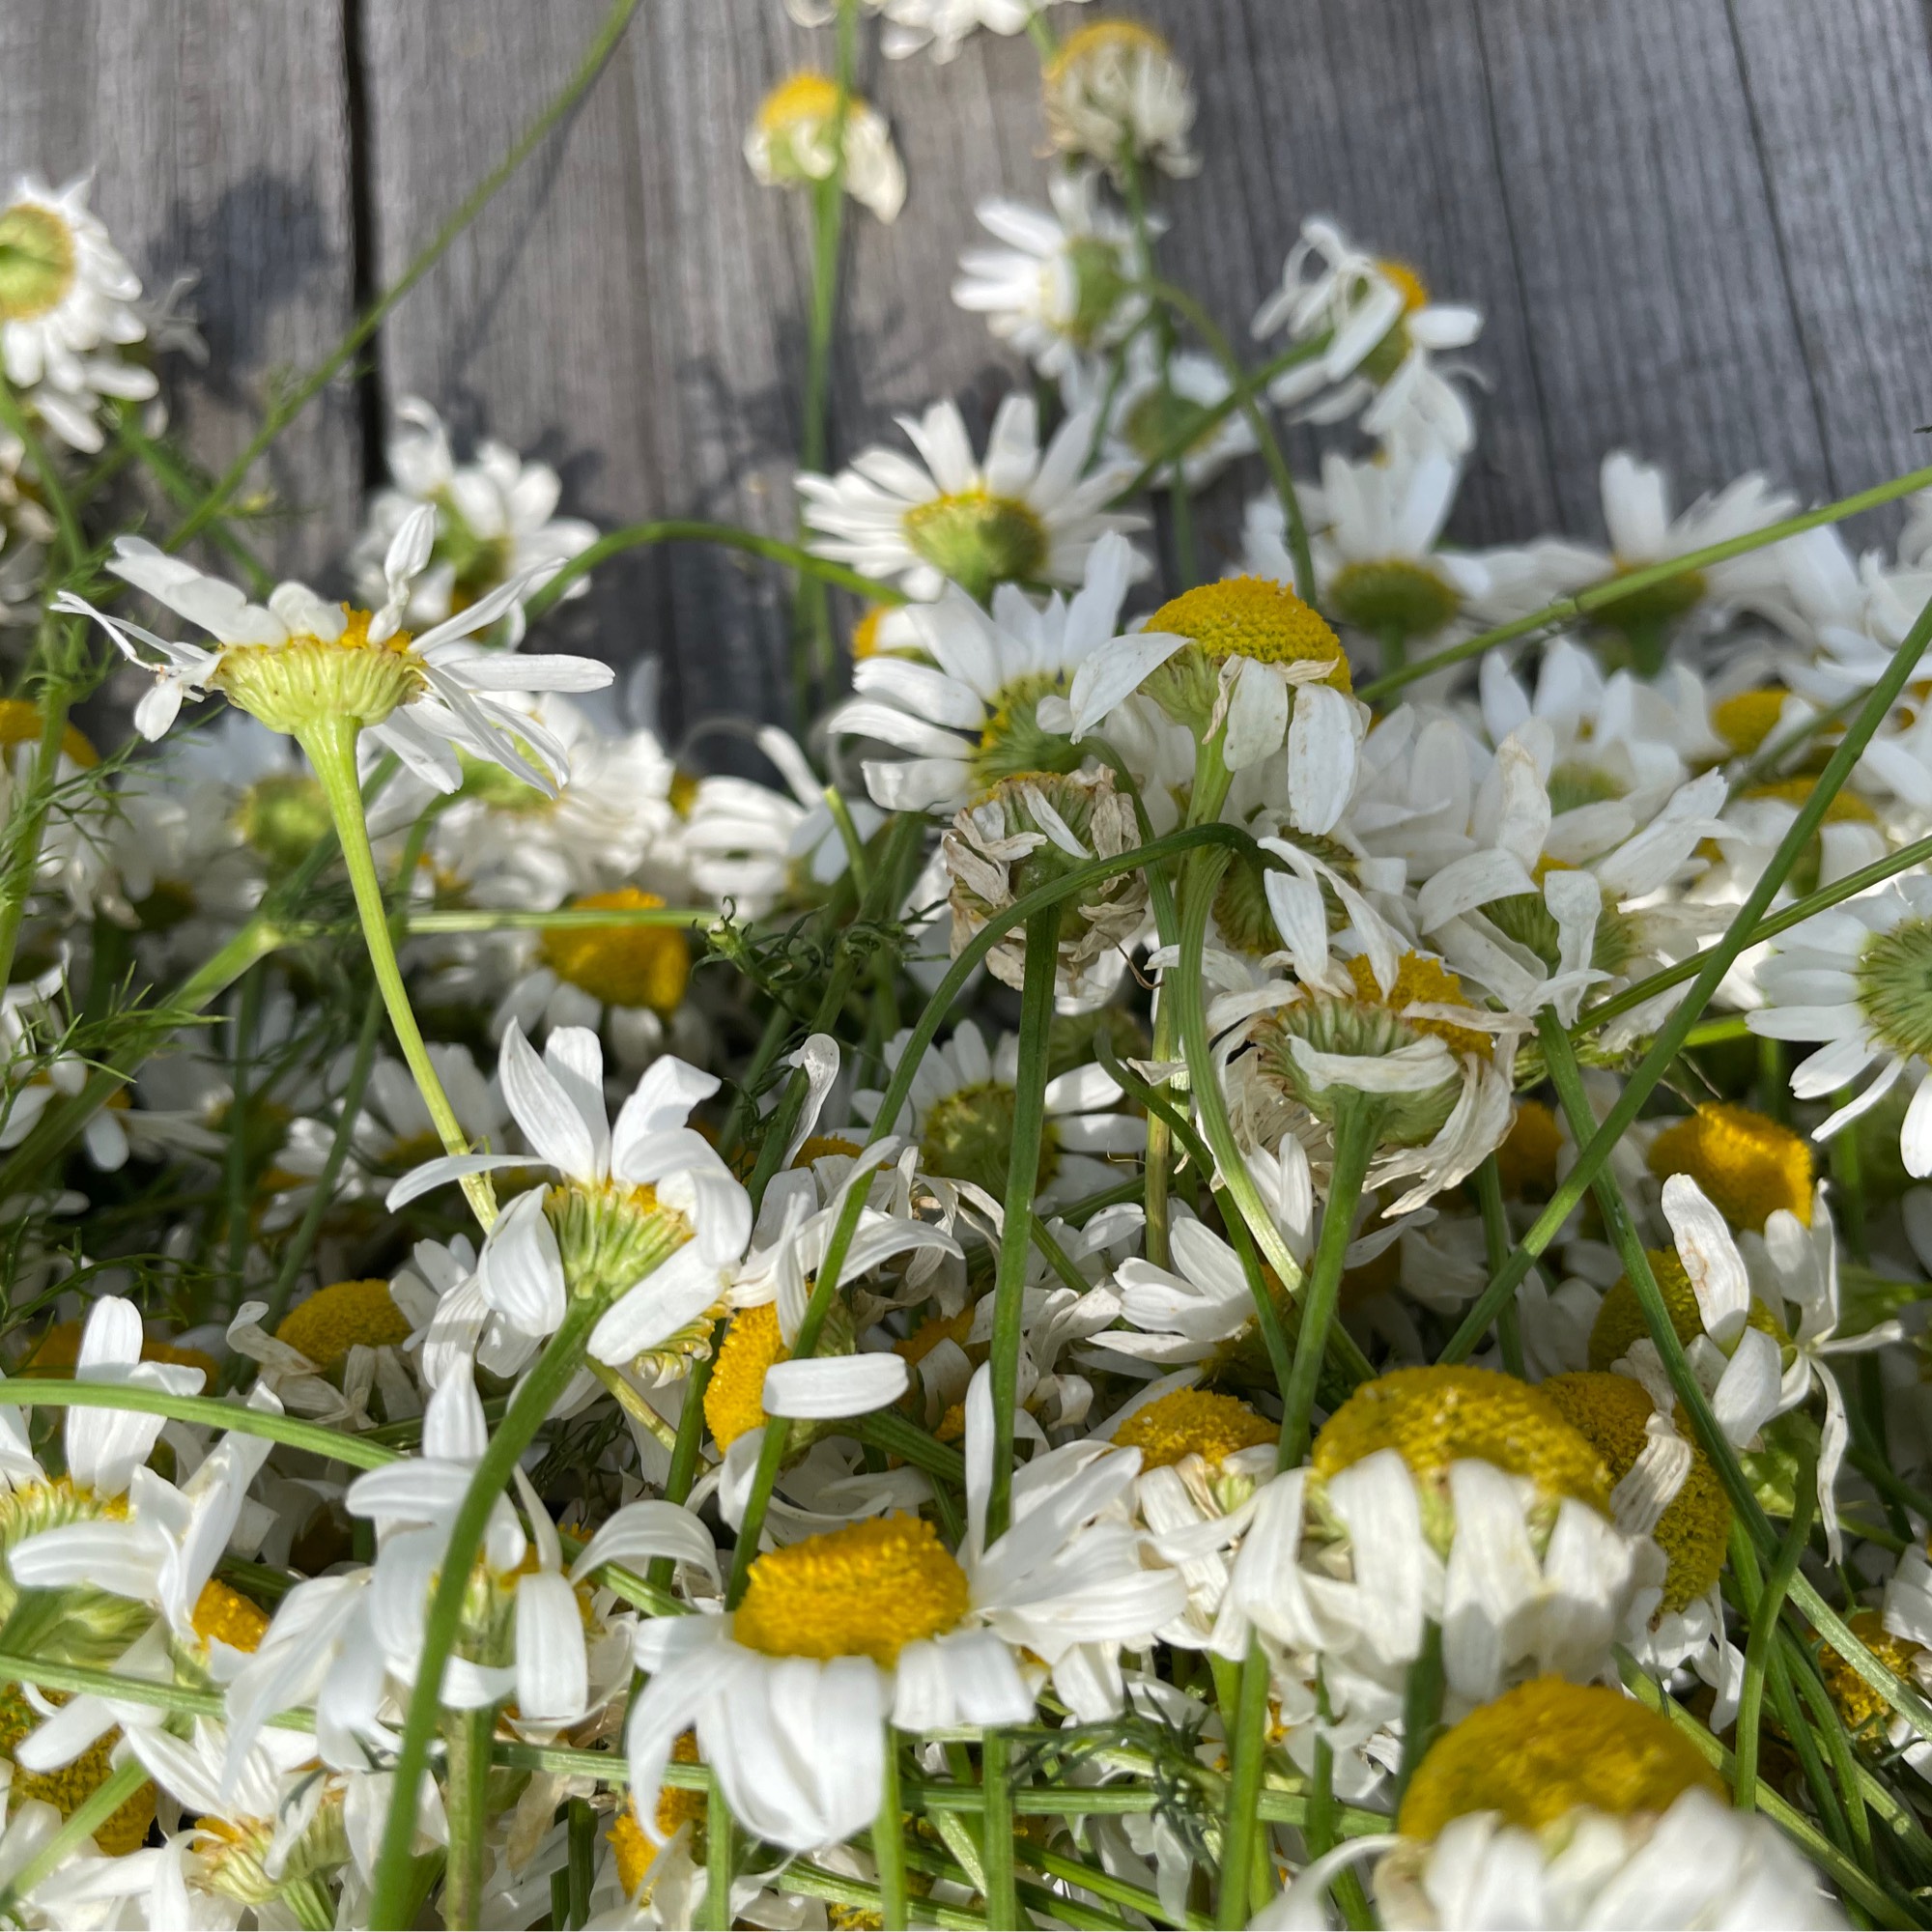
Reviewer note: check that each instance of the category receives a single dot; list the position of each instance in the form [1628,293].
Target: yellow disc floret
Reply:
[70,1785]
[38,261]
[636,1854]
[1545,1749]
[1865,1712]
[1745,1161]
[1437,1416]
[734,1396]
[1746,719]
[334,1320]
[1407,283]
[1192,1422]
[622,965]
[22,722]
[1254,617]
[59,1352]
[1421,981]
[1103,38]
[867,1590]
[821,1146]
[1612,1412]
[1620,1316]
[800,100]
[225,1614]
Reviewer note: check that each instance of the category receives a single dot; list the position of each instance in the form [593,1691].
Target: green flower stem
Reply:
[27,825]
[897,1435]
[88,1815]
[563,919]
[1849,1777]
[888,1840]
[581,1853]
[239,1181]
[1612,589]
[1186,984]
[331,745]
[996,1785]
[1917,853]
[30,1392]
[466,1740]
[1042,953]
[1240,1823]
[718,1858]
[1244,390]
[1764,1625]
[686,530]
[1496,1244]
[1357,1129]
[1421,1707]
[289,405]
[530,1410]
[957,1870]
[1858,1885]
[1042,34]
[1104,1884]
[1773,751]
[1714,964]
[301,1243]
[1201,424]
[944,997]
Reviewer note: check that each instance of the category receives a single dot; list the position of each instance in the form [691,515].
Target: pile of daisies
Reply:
[1243,1246]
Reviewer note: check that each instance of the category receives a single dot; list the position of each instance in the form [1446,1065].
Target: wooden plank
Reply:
[1659,320]
[220,136]
[1841,100]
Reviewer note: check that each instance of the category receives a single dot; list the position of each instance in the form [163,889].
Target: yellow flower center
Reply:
[1545,1748]
[1192,1422]
[1862,1709]
[622,965]
[1407,283]
[70,1786]
[1611,1411]
[225,1614]
[934,1331]
[37,262]
[819,1147]
[978,539]
[1527,1156]
[333,1320]
[1102,38]
[1845,808]
[1745,1161]
[636,1854]
[802,101]
[867,1590]
[968,1135]
[683,793]
[1254,617]
[22,722]
[59,1352]
[734,1396]
[1437,1416]
[1420,981]
[307,681]
[1746,719]
[1620,1316]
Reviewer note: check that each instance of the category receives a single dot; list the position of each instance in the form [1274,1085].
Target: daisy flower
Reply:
[496,520]
[1854,980]
[943,25]
[1154,403]
[1061,285]
[299,660]
[790,142]
[843,1633]
[1021,516]
[1115,93]
[1453,1495]
[1571,1805]
[644,1211]
[67,304]
[983,709]
[1373,333]
[960,1112]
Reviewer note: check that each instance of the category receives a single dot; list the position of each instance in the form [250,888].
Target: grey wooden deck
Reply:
[1699,228]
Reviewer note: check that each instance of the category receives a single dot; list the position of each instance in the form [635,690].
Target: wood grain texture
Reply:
[220,136]
[1699,229]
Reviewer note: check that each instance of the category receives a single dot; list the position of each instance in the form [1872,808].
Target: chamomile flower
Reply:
[1154,404]
[1019,516]
[642,1214]
[878,1623]
[1060,288]
[496,520]
[1114,92]
[943,25]
[298,662]
[67,304]
[991,703]
[1451,1495]
[791,143]
[1371,333]
[1571,1805]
